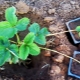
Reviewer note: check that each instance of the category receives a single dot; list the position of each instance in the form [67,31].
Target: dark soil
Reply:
[73,26]
[75,68]
[21,72]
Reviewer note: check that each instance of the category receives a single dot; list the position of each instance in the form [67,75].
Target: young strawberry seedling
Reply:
[78,30]
[13,52]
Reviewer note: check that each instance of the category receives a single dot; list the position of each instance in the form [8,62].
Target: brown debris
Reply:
[22,7]
[58,58]
[51,11]
[48,19]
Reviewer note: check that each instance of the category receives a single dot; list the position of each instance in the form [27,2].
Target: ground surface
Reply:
[52,14]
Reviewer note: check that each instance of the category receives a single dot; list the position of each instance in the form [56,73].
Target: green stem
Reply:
[13,41]
[18,39]
[61,54]
[61,32]
[12,52]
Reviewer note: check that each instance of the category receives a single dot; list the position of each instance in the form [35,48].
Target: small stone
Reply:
[63,68]
[52,27]
[77,6]
[55,70]
[47,53]
[58,58]
[66,7]
[22,7]
[72,2]
[57,41]
[51,11]
[48,19]
[63,49]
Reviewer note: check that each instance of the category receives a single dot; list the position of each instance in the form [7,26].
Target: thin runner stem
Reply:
[61,54]
[61,32]
[18,38]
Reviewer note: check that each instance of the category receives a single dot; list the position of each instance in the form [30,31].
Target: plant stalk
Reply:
[12,52]
[61,32]
[13,41]
[18,38]
[61,54]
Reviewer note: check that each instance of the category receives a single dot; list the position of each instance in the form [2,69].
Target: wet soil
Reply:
[21,72]
[75,68]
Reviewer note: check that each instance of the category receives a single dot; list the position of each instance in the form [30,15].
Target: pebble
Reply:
[55,70]
[51,11]
[66,7]
[22,7]
[63,49]
[58,58]
[77,6]
[47,53]
[72,2]
[63,68]
[52,28]
[48,19]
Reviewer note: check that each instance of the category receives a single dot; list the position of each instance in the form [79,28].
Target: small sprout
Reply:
[78,30]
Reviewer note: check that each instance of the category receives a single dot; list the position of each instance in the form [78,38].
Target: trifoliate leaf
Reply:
[10,15]
[7,52]
[29,38]
[40,39]
[22,24]
[7,30]
[35,27]
[78,29]
[44,31]
[23,52]
[34,49]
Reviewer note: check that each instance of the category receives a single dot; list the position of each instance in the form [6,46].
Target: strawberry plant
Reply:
[13,52]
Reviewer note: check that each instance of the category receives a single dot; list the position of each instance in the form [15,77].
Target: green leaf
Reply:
[4,41]
[6,27]
[78,29]
[5,24]
[29,38]
[14,48]
[22,24]
[44,31]
[10,15]
[34,49]
[8,52]
[35,27]
[23,52]
[4,55]
[40,39]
